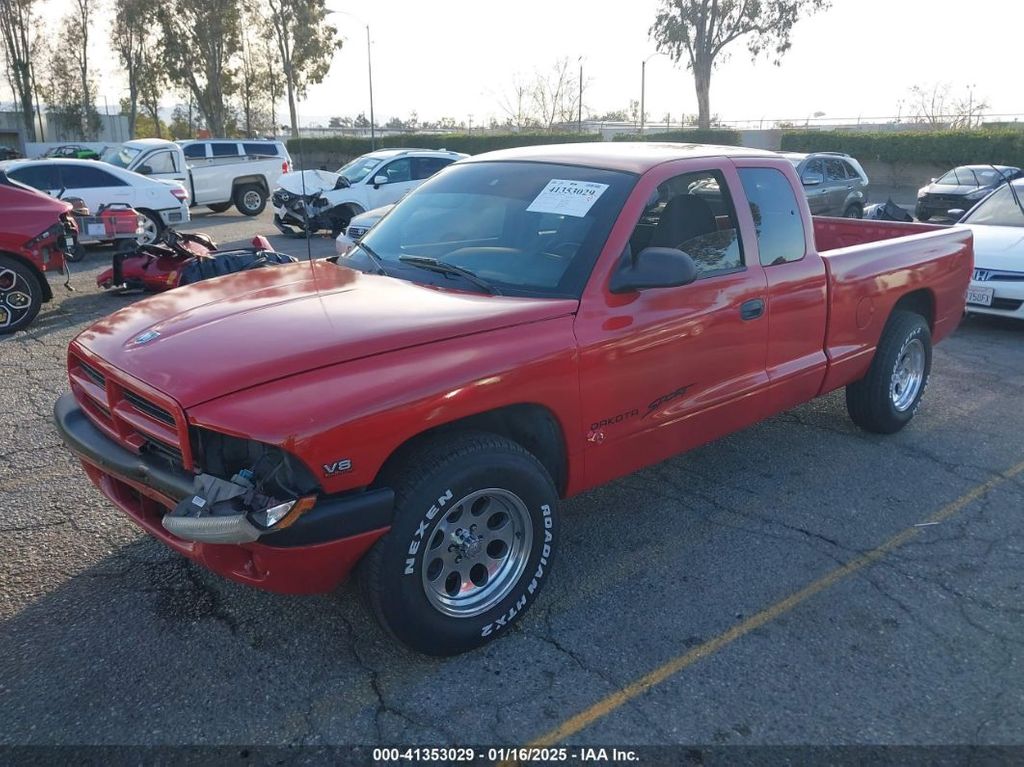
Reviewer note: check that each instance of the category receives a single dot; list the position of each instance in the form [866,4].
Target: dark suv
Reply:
[835,184]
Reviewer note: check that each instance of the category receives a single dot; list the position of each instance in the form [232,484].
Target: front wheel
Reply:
[853,211]
[21,295]
[471,544]
[922,215]
[218,207]
[887,398]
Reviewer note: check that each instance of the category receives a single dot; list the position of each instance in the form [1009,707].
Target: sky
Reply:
[456,58]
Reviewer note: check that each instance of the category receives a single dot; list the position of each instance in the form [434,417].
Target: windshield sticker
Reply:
[567,198]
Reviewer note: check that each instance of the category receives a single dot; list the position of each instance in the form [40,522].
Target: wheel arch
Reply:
[246,180]
[920,302]
[531,425]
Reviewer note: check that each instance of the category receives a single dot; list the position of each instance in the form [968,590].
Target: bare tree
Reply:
[934,105]
[306,44]
[698,31]
[517,104]
[17,20]
[68,88]
[556,94]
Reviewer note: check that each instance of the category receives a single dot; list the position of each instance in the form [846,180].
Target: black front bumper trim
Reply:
[333,517]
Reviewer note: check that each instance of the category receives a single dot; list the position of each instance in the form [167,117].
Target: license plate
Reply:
[980,296]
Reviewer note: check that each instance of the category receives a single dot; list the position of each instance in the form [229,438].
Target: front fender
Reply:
[344,421]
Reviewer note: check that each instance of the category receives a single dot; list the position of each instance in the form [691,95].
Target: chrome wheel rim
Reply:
[15,297]
[907,375]
[477,552]
[251,200]
[149,231]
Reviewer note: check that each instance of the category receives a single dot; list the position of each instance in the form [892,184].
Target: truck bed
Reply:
[868,264]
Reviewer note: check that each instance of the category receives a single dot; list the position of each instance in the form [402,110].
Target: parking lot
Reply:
[800,582]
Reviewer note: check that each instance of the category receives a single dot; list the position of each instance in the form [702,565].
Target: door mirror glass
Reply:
[654,268]
[811,178]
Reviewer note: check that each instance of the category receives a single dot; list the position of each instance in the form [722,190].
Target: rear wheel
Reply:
[853,211]
[887,398]
[21,295]
[922,215]
[219,207]
[250,199]
[471,543]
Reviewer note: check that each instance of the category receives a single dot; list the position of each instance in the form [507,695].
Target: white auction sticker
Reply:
[567,198]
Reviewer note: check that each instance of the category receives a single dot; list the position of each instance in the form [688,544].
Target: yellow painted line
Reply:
[617,699]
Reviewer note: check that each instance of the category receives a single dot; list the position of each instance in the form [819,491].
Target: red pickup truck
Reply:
[528,324]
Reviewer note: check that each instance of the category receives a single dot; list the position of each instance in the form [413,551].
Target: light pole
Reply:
[369,72]
[579,114]
[643,86]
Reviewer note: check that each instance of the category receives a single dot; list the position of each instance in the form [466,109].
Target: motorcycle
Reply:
[182,258]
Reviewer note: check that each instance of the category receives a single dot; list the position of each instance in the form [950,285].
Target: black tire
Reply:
[922,215]
[219,207]
[340,220]
[874,401]
[854,211]
[250,199]
[431,483]
[21,295]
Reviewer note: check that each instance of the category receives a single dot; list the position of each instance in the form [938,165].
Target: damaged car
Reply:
[317,200]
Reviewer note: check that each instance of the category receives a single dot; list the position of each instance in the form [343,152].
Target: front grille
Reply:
[144,406]
[97,377]
[130,413]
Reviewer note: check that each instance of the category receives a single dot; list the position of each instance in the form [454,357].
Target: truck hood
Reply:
[315,181]
[998,247]
[220,336]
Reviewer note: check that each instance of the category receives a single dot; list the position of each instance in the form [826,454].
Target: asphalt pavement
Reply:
[800,582]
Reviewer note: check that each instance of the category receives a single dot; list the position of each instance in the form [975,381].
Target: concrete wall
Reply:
[113,130]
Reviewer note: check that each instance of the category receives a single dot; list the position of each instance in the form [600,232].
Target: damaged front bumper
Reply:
[312,555]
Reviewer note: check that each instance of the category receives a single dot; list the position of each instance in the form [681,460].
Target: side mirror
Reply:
[380,180]
[145,170]
[654,268]
[813,179]
[956,213]
[933,181]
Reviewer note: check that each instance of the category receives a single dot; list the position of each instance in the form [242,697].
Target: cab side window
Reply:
[693,212]
[780,229]
[162,162]
[397,171]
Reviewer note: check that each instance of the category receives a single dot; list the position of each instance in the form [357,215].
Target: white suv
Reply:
[316,199]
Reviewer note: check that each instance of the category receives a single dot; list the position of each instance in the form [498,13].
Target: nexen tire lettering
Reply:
[520,603]
[421,530]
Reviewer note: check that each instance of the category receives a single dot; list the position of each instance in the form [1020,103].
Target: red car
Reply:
[36,232]
[525,326]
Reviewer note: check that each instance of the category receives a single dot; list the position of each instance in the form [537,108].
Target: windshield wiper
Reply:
[443,267]
[376,259]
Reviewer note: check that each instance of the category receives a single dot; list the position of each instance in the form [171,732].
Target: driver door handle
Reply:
[752,309]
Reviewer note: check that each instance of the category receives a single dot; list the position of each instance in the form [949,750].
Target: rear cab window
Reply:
[224,149]
[776,213]
[260,149]
[195,151]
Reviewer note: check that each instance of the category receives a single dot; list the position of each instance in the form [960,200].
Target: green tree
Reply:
[137,48]
[306,44]
[201,39]
[69,89]
[17,21]
[698,31]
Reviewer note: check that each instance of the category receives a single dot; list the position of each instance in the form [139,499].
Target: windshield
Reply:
[121,156]
[998,209]
[359,168]
[529,229]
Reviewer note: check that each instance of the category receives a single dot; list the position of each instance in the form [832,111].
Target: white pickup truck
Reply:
[218,173]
